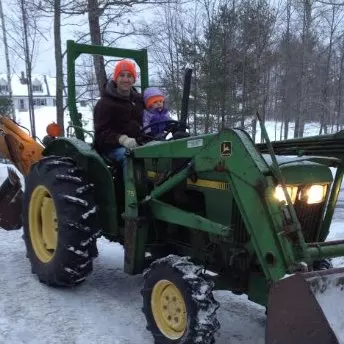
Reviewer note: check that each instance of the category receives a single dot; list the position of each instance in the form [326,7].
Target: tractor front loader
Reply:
[17,146]
[194,214]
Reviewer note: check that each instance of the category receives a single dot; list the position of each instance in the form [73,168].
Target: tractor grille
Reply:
[240,232]
[309,216]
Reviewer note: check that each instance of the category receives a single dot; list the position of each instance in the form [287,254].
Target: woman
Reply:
[118,113]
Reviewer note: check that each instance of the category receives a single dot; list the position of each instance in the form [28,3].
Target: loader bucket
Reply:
[11,202]
[307,308]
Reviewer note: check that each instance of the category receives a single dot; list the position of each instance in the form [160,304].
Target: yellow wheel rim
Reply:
[43,224]
[169,309]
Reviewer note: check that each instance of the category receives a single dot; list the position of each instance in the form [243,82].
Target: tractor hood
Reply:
[300,170]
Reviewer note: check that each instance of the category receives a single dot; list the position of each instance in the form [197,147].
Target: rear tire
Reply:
[60,222]
[178,302]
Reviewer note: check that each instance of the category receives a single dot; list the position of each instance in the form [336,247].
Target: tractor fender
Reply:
[97,173]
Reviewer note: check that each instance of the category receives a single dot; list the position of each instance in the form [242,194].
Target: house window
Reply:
[3,88]
[37,88]
[21,104]
[82,103]
[39,102]
[3,85]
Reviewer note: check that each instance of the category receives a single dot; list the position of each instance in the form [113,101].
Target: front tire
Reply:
[178,302]
[60,222]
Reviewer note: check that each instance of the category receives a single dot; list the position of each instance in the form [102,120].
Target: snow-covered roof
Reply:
[47,83]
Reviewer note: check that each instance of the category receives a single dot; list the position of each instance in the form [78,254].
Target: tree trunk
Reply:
[28,68]
[244,100]
[195,101]
[96,39]
[286,128]
[340,91]
[325,113]
[8,67]
[266,90]
[59,65]
[287,62]
[254,129]
[306,52]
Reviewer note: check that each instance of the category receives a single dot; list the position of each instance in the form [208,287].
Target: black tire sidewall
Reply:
[53,272]
[173,275]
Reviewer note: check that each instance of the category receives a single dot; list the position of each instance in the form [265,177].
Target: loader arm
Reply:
[22,150]
[18,146]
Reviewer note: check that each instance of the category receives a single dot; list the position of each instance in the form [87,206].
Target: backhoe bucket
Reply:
[307,308]
[11,196]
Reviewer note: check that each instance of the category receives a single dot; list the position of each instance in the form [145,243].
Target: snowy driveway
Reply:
[104,309]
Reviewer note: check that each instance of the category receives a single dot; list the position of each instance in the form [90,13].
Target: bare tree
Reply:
[340,88]
[28,63]
[325,113]
[241,60]
[8,67]
[307,47]
[25,33]
[164,38]
[103,16]
[58,64]
[94,13]
[287,78]
[48,9]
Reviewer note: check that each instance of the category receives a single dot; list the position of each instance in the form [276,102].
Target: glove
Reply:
[127,142]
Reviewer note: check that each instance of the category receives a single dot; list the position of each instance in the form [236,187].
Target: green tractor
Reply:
[194,214]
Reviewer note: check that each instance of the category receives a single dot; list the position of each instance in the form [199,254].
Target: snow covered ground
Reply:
[107,307]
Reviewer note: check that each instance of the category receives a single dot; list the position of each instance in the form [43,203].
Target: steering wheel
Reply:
[171,127]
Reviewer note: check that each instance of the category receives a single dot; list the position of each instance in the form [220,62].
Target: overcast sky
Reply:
[44,59]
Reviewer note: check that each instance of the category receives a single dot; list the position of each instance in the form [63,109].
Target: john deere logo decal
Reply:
[226,148]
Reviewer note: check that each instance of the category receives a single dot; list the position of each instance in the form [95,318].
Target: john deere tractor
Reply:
[194,214]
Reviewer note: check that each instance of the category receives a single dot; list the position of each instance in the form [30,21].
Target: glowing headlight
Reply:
[314,194]
[292,191]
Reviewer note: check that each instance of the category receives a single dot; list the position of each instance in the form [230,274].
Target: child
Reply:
[155,111]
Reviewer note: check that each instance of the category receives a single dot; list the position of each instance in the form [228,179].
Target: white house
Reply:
[43,88]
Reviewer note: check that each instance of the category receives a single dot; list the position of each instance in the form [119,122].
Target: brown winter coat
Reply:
[115,115]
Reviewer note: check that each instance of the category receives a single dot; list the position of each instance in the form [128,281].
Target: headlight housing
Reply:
[291,189]
[313,194]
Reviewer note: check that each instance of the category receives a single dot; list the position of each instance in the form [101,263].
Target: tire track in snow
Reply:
[104,309]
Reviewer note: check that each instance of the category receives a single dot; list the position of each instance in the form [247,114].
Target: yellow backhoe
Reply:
[22,150]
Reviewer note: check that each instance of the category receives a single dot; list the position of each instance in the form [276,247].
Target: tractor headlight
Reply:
[313,194]
[292,191]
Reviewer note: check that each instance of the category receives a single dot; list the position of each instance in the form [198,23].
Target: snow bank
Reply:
[330,302]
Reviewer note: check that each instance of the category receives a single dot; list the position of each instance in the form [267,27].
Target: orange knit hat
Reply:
[152,95]
[124,65]
[150,101]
